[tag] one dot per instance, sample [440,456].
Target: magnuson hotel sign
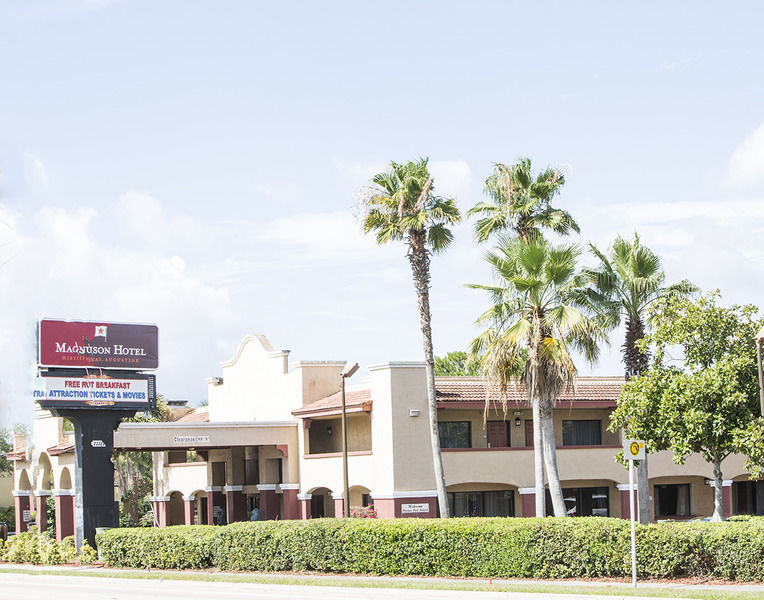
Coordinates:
[92,391]
[98,344]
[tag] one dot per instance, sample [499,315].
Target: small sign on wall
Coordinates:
[25,516]
[419,507]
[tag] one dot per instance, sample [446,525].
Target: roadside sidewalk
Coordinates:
[579,589]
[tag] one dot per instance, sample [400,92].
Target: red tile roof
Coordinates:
[196,416]
[355,401]
[62,448]
[17,455]
[597,390]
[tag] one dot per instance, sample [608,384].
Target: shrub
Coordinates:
[40,549]
[177,547]
[364,512]
[490,547]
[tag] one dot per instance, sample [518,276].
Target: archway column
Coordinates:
[41,507]
[304,500]
[269,501]
[236,503]
[215,498]
[21,502]
[188,509]
[161,510]
[527,501]
[291,503]
[64,500]
[625,506]
[339,504]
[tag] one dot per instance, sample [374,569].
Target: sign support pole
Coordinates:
[93,470]
[633,528]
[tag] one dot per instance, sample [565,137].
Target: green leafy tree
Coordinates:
[456,364]
[708,405]
[403,207]
[623,285]
[521,203]
[6,446]
[134,469]
[534,321]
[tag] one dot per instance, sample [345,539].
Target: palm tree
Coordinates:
[623,285]
[534,321]
[402,206]
[520,203]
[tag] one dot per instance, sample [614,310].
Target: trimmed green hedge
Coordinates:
[540,548]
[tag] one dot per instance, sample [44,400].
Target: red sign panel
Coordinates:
[98,344]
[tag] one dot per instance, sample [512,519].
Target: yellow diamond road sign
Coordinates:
[634,449]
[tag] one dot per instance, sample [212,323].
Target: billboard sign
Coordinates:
[98,344]
[59,391]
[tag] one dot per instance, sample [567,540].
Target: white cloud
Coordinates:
[358,173]
[745,168]
[283,192]
[35,173]
[671,65]
[67,264]
[321,237]
[452,177]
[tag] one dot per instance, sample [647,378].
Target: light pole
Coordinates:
[346,372]
[759,337]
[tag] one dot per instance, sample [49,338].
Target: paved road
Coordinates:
[56,587]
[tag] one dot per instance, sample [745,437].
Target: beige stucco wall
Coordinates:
[412,449]
[359,434]
[6,486]
[254,385]
[327,472]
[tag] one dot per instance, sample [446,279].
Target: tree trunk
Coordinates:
[420,268]
[550,460]
[718,491]
[538,461]
[637,363]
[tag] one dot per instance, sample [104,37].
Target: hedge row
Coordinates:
[539,548]
[32,547]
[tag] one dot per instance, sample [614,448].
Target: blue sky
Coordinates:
[196,164]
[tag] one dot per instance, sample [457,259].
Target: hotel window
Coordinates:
[581,433]
[672,500]
[454,434]
[482,504]
[583,502]
[748,497]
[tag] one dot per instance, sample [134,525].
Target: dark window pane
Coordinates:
[673,500]
[583,502]
[581,433]
[482,504]
[454,434]
[748,497]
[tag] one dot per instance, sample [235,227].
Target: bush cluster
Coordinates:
[540,548]
[42,549]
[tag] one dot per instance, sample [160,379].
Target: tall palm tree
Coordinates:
[534,321]
[623,285]
[403,207]
[521,203]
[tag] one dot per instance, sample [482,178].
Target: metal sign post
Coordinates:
[633,450]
